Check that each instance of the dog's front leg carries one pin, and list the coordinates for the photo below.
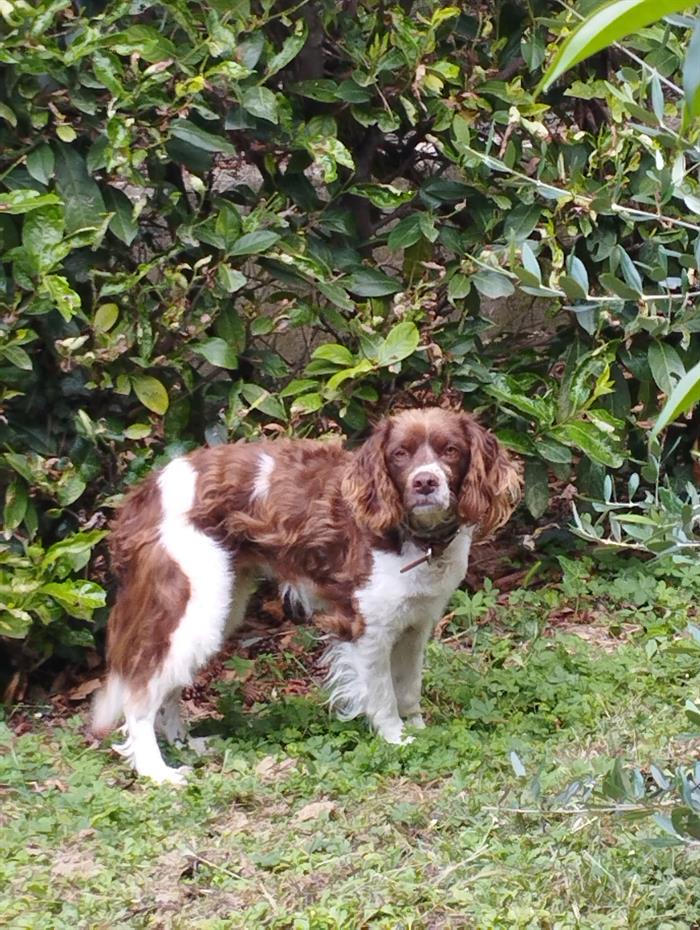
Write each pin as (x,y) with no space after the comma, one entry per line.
(407,671)
(360,682)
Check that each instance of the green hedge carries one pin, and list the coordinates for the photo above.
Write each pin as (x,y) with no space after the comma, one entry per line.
(223,218)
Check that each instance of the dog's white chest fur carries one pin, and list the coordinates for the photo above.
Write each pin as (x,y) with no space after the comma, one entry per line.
(400,599)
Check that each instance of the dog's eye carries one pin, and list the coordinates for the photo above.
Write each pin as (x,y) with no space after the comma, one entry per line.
(400,454)
(451,451)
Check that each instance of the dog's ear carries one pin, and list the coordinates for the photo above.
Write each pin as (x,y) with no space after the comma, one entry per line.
(367,485)
(491,486)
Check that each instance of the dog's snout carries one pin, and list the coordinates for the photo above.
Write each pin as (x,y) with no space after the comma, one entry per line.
(425,482)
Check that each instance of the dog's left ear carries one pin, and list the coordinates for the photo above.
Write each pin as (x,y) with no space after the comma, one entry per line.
(367,485)
(492,485)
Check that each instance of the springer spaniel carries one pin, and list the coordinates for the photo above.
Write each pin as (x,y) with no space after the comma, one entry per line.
(373,541)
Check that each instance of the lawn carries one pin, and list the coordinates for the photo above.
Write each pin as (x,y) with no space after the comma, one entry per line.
(296,821)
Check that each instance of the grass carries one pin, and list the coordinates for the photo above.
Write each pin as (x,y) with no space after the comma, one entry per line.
(297,821)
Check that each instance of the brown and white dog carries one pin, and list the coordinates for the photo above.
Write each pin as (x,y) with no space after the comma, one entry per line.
(373,541)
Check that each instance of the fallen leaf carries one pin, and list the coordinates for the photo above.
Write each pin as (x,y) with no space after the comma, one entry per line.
(84,689)
(314,810)
(270,768)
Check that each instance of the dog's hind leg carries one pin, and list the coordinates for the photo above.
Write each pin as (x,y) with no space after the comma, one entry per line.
(162,649)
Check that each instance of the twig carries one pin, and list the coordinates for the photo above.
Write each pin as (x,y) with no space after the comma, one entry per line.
(224,871)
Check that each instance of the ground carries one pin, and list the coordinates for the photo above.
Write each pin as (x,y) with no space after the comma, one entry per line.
(296,821)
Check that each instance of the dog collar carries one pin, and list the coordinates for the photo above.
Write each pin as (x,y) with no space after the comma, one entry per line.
(435,544)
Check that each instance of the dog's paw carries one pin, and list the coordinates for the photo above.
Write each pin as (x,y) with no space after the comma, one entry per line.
(416,721)
(170,776)
(395,735)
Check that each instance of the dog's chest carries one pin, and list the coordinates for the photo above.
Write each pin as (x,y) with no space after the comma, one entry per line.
(406,596)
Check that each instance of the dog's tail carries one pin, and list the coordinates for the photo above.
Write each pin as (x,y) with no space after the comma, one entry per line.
(107,706)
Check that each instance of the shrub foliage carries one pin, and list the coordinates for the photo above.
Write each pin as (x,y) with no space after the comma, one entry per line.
(221,218)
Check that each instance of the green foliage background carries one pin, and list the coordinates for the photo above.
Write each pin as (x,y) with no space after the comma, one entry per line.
(219,218)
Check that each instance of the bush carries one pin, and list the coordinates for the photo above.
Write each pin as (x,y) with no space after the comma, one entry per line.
(221,219)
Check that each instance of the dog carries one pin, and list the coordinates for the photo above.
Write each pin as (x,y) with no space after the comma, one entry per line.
(373,542)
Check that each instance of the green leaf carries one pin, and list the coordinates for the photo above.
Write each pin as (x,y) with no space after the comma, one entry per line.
(16,500)
(629,271)
(594,443)
(75,549)
(336,294)
(322,89)
(22,201)
(607,24)
(262,325)
(458,287)
(230,279)
(122,224)
(78,598)
(402,341)
(370,282)
(571,287)
(66,133)
(530,263)
(577,270)
(217,352)
(520,221)
(406,232)
(619,288)
(384,196)
(150,392)
(337,354)
(519,442)
(189,132)
(260,102)
(41,163)
(138,431)
(8,114)
(84,206)
(536,488)
(105,317)
(17,356)
(41,231)
(691,74)
(260,399)
(253,243)
(351,92)
(70,488)
(147,41)
(293,44)
(553,451)
(684,395)
(363,367)
(307,403)
(61,294)
(298,386)
(666,365)
(15,623)
(493,284)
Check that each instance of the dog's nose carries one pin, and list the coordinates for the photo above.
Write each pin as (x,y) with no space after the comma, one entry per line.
(425,482)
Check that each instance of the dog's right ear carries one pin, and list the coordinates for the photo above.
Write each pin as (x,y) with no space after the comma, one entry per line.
(367,485)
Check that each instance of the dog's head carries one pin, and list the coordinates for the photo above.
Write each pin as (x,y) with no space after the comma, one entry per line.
(428,469)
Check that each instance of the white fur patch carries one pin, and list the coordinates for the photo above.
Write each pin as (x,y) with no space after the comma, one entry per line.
(263,474)
(362,678)
(206,564)
(302,596)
